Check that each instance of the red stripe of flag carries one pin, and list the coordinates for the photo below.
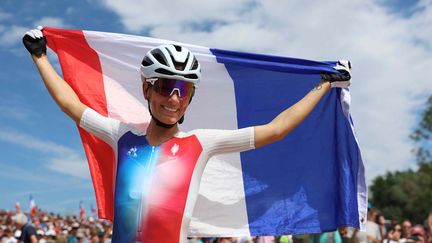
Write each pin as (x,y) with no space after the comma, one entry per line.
(81,68)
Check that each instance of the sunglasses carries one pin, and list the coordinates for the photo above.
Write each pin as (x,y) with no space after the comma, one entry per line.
(167,87)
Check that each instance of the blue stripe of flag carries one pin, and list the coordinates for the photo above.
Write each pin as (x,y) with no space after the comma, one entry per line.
(308,181)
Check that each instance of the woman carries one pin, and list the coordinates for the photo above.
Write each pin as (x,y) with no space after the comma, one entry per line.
(152,201)
(394,235)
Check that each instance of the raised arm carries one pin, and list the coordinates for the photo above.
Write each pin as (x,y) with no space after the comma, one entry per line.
(290,118)
(60,91)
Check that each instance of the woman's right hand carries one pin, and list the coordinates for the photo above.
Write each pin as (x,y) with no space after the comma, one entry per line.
(35,42)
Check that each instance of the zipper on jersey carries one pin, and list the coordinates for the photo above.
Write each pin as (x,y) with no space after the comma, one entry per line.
(140,207)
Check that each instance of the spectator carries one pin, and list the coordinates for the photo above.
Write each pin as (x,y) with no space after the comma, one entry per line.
(73,233)
(329,237)
(62,236)
(81,238)
(394,235)
(417,234)
(285,239)
(429,228)
(28,232)
(406,229)
(344,234)
(8,236)
(57,229)
(41,236)
(265,239)
(245,239)
(372,234)
(381,221)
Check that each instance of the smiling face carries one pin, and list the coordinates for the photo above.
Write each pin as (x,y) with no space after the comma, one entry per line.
(168,110)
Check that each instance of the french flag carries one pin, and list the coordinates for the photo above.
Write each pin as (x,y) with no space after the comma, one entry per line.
(93,210)
(310,182)
(33,208)
(17,207)
(82,210)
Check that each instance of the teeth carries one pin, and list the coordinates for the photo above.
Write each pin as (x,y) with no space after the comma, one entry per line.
(170,109)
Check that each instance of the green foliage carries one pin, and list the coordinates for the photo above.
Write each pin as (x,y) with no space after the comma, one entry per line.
(423,134)
(402,195)
(408,194)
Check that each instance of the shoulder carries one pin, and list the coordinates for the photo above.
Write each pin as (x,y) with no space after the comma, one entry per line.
(216,132)
(203,133)
(135,129)
(29,229)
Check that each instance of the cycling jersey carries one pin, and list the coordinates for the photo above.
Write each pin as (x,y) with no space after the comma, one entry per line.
(156,187)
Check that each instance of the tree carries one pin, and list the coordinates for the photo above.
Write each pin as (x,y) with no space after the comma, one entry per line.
(408,194)
(422,135)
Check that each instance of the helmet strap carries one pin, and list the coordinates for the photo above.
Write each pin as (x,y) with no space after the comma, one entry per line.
(181,120)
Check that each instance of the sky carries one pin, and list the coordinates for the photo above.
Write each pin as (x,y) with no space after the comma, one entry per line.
(389,43)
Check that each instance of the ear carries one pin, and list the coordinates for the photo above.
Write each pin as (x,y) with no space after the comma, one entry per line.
(146,90)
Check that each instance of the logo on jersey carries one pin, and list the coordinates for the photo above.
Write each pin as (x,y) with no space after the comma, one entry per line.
(132,152)
(175,149)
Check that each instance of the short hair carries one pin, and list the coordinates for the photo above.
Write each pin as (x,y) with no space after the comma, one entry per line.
(20,218)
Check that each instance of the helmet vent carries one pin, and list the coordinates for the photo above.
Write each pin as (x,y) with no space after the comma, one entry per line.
(164,71)
(179,66)
(146,62)
(194,64)
(191,76)
(160,58)
(178,48)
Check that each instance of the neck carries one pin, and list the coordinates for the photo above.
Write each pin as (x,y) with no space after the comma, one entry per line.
(157,135)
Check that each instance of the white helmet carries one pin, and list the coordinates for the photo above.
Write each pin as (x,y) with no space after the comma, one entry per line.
(167,61)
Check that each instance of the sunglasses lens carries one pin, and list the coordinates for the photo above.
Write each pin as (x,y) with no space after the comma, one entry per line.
(166,87)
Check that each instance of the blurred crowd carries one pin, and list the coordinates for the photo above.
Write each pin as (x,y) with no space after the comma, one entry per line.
(50,228)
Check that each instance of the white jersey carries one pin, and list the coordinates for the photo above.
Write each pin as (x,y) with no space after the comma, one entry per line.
(156,187)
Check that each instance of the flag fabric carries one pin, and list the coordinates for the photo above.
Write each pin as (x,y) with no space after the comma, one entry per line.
(311,181)
(82,210)
(17,207)
(93,209)
(33,208)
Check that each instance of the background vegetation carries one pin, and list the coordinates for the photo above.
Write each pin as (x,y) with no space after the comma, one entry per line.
(408,194)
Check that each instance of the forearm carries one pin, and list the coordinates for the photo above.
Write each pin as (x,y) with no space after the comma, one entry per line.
(61,92)
(33,239)
(286,121)
(290,118)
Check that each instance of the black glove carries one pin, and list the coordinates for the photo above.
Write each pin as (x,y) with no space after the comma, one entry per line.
(35,42)
(340,79)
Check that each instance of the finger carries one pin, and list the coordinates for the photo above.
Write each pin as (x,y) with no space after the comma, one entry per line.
(29,33)
(39,34)
(34,34)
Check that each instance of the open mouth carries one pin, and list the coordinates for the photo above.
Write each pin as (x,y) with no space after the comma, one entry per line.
(169,109)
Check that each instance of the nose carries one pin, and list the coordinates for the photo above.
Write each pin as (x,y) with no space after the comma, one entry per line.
(175,96)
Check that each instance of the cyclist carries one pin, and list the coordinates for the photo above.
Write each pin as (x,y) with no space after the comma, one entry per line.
(159,168)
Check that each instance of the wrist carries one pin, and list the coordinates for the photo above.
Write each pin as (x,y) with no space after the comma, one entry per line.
(326,85)
(36,57)
(322,85)
(323,81)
